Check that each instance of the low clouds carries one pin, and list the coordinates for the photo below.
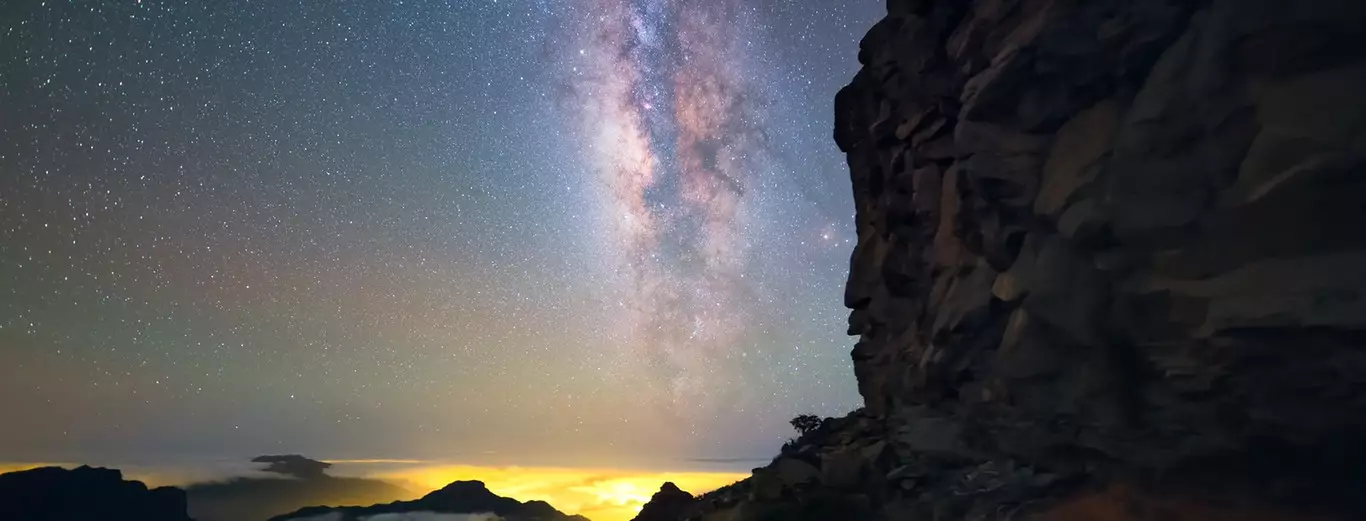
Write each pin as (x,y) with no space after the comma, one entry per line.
(297,482)
(599,494)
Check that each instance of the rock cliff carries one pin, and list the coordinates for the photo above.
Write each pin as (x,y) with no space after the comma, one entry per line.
(57,494)
(1109,267)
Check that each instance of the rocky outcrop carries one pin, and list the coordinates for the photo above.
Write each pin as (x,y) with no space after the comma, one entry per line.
(57,494)
(460,497)
(1108,267)
(669,504)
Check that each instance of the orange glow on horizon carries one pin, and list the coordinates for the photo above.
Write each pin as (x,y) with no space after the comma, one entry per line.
(599,494)
(11,466)
(152,477)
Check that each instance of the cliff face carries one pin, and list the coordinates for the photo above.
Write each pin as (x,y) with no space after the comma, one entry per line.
(1110,266)
(1120,234)
(1125,226)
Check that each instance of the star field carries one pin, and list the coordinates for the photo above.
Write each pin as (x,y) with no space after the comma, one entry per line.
(606,231)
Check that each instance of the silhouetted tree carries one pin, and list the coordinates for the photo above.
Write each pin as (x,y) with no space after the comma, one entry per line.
(806,423)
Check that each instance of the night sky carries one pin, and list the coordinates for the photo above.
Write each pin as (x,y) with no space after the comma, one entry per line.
(569,232)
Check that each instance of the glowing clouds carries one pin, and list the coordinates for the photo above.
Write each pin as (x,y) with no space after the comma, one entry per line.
(601,494)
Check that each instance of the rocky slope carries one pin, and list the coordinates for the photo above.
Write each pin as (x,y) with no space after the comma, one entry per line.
(1109,267)
(460,497)
(57,494)
(666,505)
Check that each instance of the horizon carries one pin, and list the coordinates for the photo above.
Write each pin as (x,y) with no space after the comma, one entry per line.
(601,494)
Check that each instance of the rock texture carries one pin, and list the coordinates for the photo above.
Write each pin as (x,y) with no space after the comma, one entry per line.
(57,494)
(1109,267)
(460,497)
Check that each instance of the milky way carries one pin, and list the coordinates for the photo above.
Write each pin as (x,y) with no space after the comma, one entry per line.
(575,232)
(677,141)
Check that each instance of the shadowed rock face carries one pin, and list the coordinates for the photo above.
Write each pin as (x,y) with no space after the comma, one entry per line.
(56,494)
(1109,267)
(666,505)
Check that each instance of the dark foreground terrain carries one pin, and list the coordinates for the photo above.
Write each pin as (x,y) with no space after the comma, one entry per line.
(55,494)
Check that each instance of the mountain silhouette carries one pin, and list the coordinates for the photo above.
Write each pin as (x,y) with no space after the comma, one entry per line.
(460,497)
(58,494)
(301,482)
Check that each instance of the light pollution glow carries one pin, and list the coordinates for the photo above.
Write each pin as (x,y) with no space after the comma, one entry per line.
(599,494)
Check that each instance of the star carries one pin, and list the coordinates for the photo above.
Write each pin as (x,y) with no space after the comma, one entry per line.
(470,217)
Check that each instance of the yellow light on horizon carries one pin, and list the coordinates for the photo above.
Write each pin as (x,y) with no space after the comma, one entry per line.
(599,494)
(150,476)
(13,466)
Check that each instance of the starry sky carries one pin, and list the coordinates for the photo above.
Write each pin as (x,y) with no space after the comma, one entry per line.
(503,232)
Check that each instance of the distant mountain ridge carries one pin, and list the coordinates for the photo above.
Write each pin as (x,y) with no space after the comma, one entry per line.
(88,493)
(460,497)
(85,493)
(295,482)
